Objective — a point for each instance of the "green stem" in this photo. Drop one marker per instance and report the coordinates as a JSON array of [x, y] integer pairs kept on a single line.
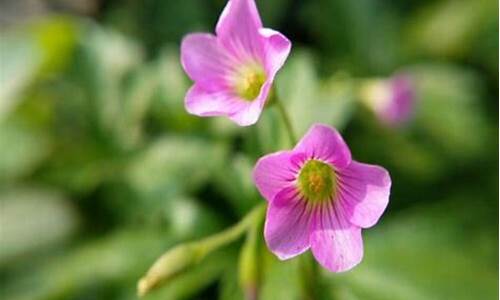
[[232, 233], [308, 268], [250, 265], [286, 119], [309, 277], [183, 256]]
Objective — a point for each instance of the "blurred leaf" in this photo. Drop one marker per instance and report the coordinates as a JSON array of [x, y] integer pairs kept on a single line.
[[336, 101], [273, 12], [105, 58], [307, 101], [270, 134], [81, 166], [398, 150], [449, 109], [31, 219], [43, 47], [435, 252], [175, 163], [230, 289], [173, 79], [168, 106], [277, 285], [359, 36], [448, 28], [20, 59], [56, 37], [22, 149], [122, 256], [234, 180], [187, 218], [135, 104], [115, 53]]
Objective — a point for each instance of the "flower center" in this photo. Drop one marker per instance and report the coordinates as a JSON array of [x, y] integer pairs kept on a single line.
[[317, 181], [249, 81]]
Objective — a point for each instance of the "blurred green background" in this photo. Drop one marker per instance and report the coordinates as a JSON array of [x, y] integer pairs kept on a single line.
[[102, 169]]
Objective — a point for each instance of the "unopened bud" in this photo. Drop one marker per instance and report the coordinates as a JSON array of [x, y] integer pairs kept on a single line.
[[392, 99], [169, 265]]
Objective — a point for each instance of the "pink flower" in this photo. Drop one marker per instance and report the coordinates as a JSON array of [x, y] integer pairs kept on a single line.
[[319, 198], [233, 70], [392, 100]]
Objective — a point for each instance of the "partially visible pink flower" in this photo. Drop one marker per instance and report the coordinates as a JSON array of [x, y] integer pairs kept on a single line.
[[391, 99], [233, 71], [319, 199]]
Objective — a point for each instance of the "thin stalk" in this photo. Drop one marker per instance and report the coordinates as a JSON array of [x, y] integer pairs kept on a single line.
[[308, 277], [232, 233], [184, 256], [250, 264], [286, 119]]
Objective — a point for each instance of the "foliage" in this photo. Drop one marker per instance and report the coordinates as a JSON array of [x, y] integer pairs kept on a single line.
[[101, 168]]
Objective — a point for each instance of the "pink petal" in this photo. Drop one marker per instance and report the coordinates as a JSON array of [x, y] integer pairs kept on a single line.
[[273, 173], [325, 143], [287, 226], [335, 243], [251, 112], [238, 28], [205, 61], [223, 102], [364, 192], [201, 102], [276, 49]]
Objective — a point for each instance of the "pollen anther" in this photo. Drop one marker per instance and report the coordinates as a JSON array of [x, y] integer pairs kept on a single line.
[[317, 181]]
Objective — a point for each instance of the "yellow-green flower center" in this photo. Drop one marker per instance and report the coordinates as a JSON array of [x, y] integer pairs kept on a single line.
[[249, 80], [317, 181]]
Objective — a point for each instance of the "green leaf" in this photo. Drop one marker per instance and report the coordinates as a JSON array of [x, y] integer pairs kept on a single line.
[[449, 28], [22, 149], [104, 58], [21, 59], [281, 279], [234, 180], [449, 109], [121, 256], [230, 289], [443, 251], [309, 102], [173, 84], [174, 162], [30, 52], [136, 102], [31, 220]]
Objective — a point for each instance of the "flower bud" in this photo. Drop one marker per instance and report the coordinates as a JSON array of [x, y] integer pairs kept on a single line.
[[169, 265], [392, 99]]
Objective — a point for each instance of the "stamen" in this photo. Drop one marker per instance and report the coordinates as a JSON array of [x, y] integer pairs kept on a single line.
[[249, 81], [317, 181]]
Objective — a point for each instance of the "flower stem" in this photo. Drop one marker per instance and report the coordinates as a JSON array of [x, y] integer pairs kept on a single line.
[[184, 256], [250, 264], [309, 277], [232, 233], [286, 118]]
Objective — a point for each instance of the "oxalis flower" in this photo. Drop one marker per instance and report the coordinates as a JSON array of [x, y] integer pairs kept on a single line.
[[233, 71], [391, 99], [319, 198]]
